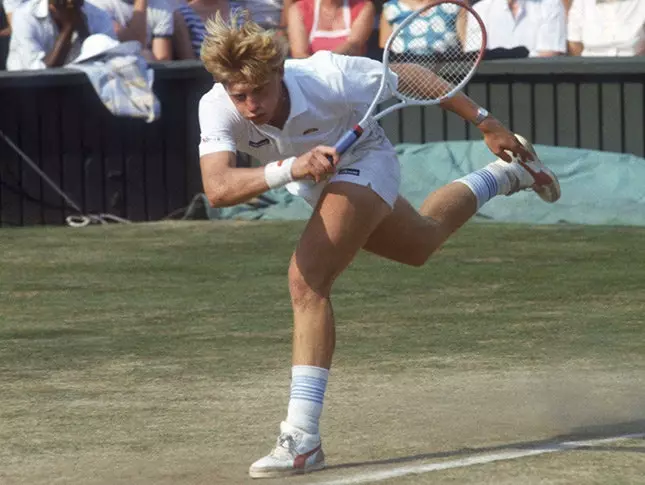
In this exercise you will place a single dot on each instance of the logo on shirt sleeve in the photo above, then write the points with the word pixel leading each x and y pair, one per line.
pixel 209 139
pixel 258 144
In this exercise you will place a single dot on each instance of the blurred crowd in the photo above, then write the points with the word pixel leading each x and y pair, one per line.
pixel 38 34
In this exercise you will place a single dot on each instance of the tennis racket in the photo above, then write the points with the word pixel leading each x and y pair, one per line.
pixel 435 51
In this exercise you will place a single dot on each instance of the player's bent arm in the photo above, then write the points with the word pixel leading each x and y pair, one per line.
pixel 225 184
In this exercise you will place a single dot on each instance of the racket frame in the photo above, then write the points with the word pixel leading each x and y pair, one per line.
pixel 352 135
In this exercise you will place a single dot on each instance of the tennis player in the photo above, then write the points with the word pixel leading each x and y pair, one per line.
pixel 289 114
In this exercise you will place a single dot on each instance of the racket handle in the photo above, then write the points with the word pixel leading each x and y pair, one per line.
pixel 348 139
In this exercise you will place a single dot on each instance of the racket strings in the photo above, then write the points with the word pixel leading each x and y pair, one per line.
pixel 439 50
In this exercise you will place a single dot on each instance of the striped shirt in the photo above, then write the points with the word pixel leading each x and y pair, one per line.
pixel 195 26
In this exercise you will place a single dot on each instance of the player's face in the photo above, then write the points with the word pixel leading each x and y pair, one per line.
pixel 257 104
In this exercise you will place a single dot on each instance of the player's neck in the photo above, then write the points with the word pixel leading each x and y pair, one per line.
pixel 284 108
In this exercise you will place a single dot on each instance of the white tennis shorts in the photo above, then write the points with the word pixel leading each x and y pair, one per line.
pixel 377 169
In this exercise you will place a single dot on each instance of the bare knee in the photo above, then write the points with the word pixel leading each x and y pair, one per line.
pixel 430 244
pixel 307 286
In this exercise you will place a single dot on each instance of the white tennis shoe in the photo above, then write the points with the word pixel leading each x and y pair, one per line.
pixel 295 452
pixel 532 175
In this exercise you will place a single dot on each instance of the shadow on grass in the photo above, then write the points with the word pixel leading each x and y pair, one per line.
pixel 578 434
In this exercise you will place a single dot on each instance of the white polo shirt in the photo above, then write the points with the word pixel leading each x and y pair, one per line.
pixel 329 94
pixel 540 25
pixel 609 28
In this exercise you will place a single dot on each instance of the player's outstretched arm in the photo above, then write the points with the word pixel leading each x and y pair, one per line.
pixel 418 82
pixel 226 185
pixel 499 139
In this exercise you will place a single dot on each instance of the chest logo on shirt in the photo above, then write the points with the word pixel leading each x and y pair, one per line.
pixel 258 144
pixel 310 131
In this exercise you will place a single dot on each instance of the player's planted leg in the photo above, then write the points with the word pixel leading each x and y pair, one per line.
pixel 345 217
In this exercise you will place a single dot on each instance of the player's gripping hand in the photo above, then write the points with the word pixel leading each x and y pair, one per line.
pixel 501 141
pixel 316 164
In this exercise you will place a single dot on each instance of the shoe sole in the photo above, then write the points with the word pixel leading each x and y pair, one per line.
pixel 277 473
pixel 547 185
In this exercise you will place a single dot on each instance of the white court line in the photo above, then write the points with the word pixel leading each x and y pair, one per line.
pixel 377 476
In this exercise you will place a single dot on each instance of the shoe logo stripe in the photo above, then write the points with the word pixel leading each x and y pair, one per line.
pixel 300 460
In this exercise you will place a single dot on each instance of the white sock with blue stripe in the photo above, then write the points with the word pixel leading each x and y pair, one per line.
pixel 487 182
pixel 308 384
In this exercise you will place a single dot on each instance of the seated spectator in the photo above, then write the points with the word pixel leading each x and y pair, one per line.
pixel 607 28
pixel 49 33
pixel 150 22
pixel 190 20
pixel 421 40
pixel 539 26
pixel 341 26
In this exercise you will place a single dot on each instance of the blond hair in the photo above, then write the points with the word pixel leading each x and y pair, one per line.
pixel 240 51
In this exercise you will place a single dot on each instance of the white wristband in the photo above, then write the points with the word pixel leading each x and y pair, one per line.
pixel 278 174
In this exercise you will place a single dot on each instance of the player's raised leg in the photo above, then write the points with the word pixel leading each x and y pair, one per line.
pixel 411 237
pixel 341 223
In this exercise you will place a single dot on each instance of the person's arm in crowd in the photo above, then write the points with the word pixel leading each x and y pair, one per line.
pixel 360 32
pixel 297 33
pixel 69 19
pixel 162 48
pixel 462 23
pixel 284 17
pixel 181 44
pixel 384 31
pixel 567 5
pixel 575 23
pixel 162 32
pixel 137 27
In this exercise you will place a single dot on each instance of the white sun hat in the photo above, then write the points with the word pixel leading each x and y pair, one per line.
pixel 99 44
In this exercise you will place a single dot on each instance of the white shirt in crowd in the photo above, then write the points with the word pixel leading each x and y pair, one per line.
pixel 540 25
pixel 609 27
pixel 329 94
pixel 10 6
pixel 159 15
pixel 34 34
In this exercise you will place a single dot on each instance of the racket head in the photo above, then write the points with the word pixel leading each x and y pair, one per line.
pixel 440 45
